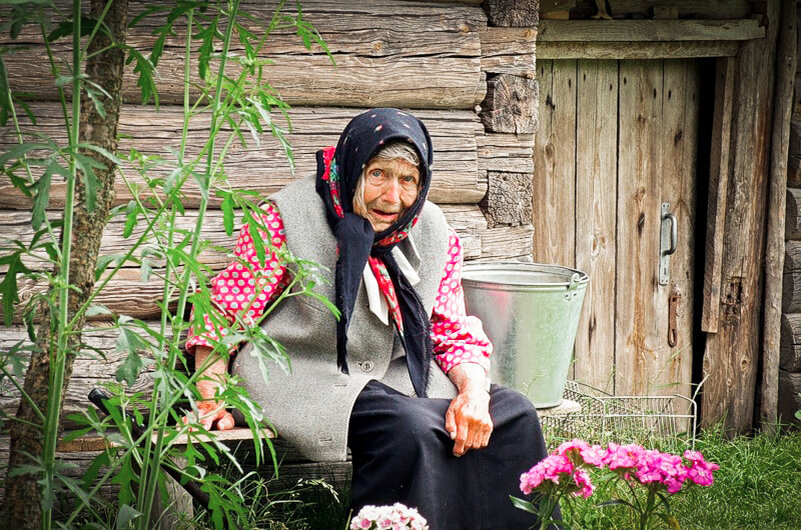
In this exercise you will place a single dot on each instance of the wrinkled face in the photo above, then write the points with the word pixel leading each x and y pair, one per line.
pixel 389 188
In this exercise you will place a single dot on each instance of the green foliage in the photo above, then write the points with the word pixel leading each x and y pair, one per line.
pixel 240 108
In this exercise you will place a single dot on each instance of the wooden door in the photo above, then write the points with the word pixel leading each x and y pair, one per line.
pixel 617 139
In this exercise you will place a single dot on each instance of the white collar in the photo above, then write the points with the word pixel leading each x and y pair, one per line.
pixel 375 298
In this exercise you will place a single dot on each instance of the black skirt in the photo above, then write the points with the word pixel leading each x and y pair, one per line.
pixel 402 453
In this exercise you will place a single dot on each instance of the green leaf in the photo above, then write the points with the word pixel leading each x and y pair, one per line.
pixel 131 213
pixel 523 505
pixel 19 151
pixel 98 309
pixel 228 213
pixel 8 287
pixel 130 368
pixel 87 165
pixel 6 102
pixel 125 516
pixel 42 196
pixel 103 263
pixel 96 102
pixel 66 28
pixel 145 70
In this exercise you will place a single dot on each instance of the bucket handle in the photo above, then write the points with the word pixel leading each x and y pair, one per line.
pixel 572 289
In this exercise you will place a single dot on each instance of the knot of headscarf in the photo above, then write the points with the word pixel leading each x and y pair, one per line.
pixel 338 172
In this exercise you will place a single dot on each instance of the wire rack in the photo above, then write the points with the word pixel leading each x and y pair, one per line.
pixel 622 419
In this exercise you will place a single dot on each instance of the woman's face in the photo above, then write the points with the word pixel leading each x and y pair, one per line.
pixel 390 188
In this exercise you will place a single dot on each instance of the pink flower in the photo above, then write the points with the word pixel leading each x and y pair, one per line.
pixel 622 456
pixel 582 479
pixel 550 468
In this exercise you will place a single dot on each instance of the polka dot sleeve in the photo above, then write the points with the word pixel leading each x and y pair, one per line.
pixel 458 338
pixel 245 288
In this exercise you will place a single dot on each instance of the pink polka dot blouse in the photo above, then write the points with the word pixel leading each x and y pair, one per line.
pixel 245 293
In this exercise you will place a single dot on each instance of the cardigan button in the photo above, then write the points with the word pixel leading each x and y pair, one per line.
pixel 367 366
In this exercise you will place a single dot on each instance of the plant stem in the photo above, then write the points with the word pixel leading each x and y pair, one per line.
pixel 57 367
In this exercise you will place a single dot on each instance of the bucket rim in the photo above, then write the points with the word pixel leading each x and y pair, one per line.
pixel 568 272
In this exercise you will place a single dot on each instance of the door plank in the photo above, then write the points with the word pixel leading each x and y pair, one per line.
pixel 637 349
pixel 554 165
pixel 596 191
pixel 680 112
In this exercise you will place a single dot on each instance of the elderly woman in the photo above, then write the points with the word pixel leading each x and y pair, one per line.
pixel 401 377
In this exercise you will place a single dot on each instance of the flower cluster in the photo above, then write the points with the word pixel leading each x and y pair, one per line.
pixel 565 472
pixel 395 517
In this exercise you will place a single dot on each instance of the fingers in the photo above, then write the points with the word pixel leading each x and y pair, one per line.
pixel 225 422
pixel 471 423
pixel 210 414
pixel 450 421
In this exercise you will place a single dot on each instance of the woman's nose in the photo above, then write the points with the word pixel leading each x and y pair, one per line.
pixel 392 191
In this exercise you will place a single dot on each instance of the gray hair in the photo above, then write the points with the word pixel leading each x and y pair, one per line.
pixel 394 149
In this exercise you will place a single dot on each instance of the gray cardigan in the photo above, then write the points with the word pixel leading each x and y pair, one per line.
pixel 311 406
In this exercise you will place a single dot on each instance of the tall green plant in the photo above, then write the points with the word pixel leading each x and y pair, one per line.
pixel 240 105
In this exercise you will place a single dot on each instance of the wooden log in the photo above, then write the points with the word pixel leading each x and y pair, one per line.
pixel 507 244
pixel 511 153
pixel 264 167
pixel 794 159
pixel 731 355
pixel 714 9
pixel 791 285
pixel 777 199
pixel 790 392
pixel 512 13
pixel 425 56
pixel 719 169
pixel 511 105
pixel 508 51
pixel 509 198
pixel 595 211
pixel 793 214
pixel 649 30
pixel 636 50
pixel 91 370
pixel 790 358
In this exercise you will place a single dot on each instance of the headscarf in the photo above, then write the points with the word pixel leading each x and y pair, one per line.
pixel 338 172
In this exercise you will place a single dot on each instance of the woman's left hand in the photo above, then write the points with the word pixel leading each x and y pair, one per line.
pixel 468 419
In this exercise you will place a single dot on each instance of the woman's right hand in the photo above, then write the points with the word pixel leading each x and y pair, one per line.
pixel 211 414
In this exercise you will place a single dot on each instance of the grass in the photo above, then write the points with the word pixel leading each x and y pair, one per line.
pixel 757 486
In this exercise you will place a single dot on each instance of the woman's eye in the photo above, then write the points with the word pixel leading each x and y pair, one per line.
pixel 375 173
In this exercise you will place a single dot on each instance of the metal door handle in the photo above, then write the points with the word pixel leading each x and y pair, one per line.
pixel 674 233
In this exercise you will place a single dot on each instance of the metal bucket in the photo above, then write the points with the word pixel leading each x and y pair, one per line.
pixel 530 313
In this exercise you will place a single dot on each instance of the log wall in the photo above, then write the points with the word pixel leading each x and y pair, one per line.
pixel 470 79
pixel 790 348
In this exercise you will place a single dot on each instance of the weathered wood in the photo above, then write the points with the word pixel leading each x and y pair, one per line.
pixel 790 390
pixel 512 153
pixel 509 198
pixel 506 244
pixel 648 30
pixel 681 99
pixel 514 13
pixel 554 157
pixel 89 371
pixel 719 169
pixel 710 9
pixel 638 344
pixel 793 214
pixel 508 51
pixel 665 12
pixel 794 160
pixel 511 105
pixel 556 5
pixel 731 355
pixel 596 244
pixel 790 357
pixel 791 286
pixel 636 50
pixel 425 56
pixel 264 167
pixel 777 200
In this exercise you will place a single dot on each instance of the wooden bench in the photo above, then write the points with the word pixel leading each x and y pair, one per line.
pixel 293 466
